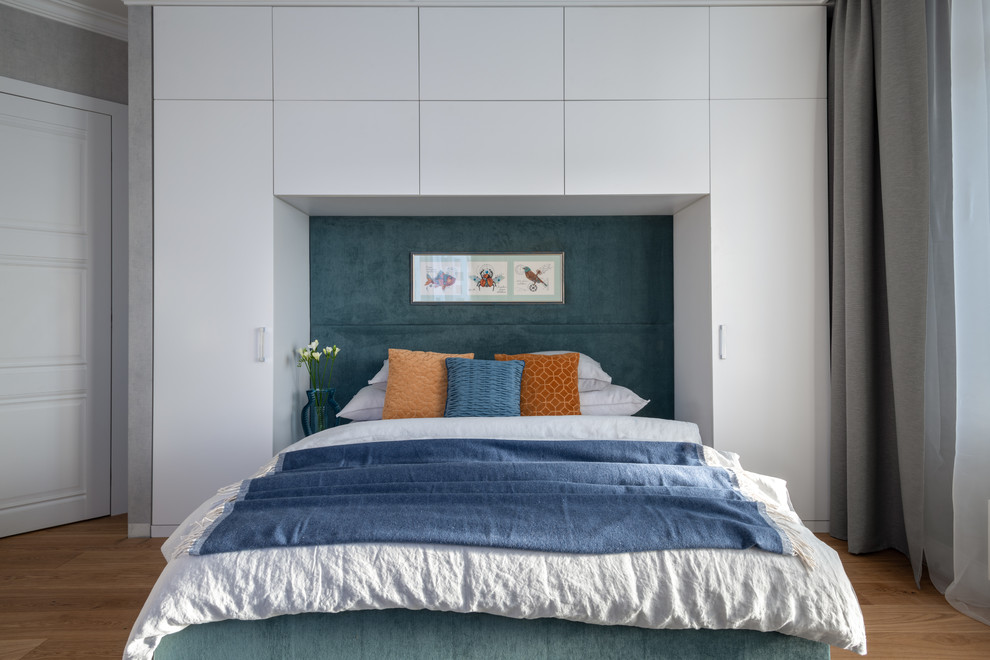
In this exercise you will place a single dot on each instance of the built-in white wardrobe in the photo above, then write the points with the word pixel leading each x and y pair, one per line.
pixel 715 114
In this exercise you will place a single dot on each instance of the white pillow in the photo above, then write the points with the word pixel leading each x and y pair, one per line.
pixel 380 380
pixel 612 400
pixel 367 404
pixel 591 376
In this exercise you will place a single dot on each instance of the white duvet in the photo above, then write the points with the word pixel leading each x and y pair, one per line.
pixel 716 589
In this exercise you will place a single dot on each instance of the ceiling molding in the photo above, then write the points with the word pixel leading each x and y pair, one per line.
pixel 75 14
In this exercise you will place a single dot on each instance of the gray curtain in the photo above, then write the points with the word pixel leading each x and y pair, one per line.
pixel 879 177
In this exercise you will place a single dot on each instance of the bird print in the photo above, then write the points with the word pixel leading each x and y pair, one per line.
pixel 534 277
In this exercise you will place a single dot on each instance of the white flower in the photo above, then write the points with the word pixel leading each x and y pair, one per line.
pixel 302 352
pixel 316 355
pixel 314 344
pixel 327 351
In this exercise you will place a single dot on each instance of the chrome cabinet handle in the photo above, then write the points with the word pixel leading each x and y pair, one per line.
pixel 264 344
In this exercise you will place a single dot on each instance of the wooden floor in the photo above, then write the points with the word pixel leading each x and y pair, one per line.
pixel 74 592
pixel 903 621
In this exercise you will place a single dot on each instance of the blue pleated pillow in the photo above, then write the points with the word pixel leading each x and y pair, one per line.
pixel 483 388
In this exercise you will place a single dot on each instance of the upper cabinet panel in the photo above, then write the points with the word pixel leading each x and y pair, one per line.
pixel 492 148
pixel 768 52
pixel 213 52
pixel 636 53
pixel 346 53
pixel 636 147
pixel 490 54
pixel 346 148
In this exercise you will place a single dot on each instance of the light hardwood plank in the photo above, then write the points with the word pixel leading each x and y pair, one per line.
pixel 923 646
pixel 74 591
pixel 18 648
pixel 903 620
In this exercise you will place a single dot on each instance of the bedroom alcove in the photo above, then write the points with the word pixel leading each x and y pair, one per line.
pixel 721 126
pixel 618 277
pixel 684 391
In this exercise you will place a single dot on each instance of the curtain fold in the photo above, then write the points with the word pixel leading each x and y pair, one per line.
pixel 940 354
pixel 879 177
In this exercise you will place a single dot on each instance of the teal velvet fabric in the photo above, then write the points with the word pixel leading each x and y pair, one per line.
pixel 618 284
pixel 422 635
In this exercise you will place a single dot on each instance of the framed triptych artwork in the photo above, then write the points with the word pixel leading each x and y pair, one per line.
pixel 486 277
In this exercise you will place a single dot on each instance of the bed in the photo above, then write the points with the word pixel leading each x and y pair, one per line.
pixel 414 600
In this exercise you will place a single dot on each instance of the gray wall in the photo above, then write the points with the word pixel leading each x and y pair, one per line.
pixel 140 273
pixel 45 52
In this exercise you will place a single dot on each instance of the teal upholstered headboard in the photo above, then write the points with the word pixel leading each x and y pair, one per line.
pixel 619 305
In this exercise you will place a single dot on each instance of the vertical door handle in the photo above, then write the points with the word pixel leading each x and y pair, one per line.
pixel 264 345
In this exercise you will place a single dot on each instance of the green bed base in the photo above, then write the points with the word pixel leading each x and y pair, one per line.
pixel 423 635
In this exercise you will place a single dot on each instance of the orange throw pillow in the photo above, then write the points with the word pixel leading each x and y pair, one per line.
pixel 549 384
pixel 417 383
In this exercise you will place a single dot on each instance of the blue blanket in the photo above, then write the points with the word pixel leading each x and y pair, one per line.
pixel 592 496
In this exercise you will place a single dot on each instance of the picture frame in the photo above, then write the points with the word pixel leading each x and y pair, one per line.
pixel 437 278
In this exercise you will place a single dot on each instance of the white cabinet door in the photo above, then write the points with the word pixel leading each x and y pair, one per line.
pixel 492 148
pixel 482 54
pixel 213 52
pixel 768 52
pixel 636 147
pixel 346 147
pixel 636 53
pixel 770 289
pixel 213 289
pixel 346 53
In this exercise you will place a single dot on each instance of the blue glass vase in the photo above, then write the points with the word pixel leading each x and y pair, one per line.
pixel 320 411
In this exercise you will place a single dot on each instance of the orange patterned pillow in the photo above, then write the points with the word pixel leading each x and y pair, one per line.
pixel 549 384
pixel 417 383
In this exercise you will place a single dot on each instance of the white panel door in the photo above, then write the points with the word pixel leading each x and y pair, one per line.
pixel 213 290
pixel 636 53
pixel 769 229
pixel 346 53
pixel 491 53
pixel 55 296
pixel 492 148
pixel 636 147
pixel 346 147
